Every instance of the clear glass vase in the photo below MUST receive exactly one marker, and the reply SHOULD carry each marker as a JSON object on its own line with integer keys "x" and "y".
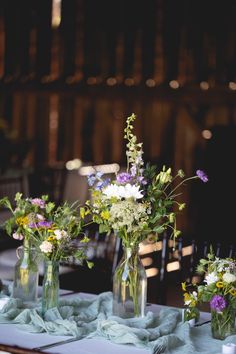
{"x": 51, "y": 286}
{"x": 223, "y": 323}
{"x": 130, "y": 286}
{"x": 25, "y": 284}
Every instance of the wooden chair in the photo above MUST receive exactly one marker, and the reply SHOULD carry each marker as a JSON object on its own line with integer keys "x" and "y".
{"x": 50, "y": 180}
{"x": 10, "y": 185}
{"x": 171, "y": 266}
{"x": 103, "y": 250}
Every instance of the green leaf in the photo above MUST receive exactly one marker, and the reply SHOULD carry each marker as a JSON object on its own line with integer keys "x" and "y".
{"x": 49, "y": 207}
{"x": 159, "y": 229}
{"x": 18, "y": 196}
{"x": 5, "y": 202}
{"x": 156, "y": 218}
{"x": 103, "y": 228}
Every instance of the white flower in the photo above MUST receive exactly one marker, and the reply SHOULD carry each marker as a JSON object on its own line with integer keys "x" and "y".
{"x": 127, "y": 191}
{"x": 229, "y": 277}
{"x": 113, "y": 191}
{"x": 187, "y": 302}
{"x": 128, "y": 214}
{"x": 17, "y": 236}
{"x": 46, "y": 247}
{"x": 211, "y": 278}
{"x": 60, "y": 234}
{"x": 131, "y": 191}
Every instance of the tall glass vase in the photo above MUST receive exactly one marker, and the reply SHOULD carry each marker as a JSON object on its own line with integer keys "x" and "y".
{"x": 130, "y": 286}
{"x": 223, "y": 323}
{"x": 50, "y": 294}
{"x": 25, "y": 284}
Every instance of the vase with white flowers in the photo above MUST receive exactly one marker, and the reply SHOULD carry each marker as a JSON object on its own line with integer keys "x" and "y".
{"x": 137, "y": 203}
{"x": 60, "y": 238}
{"x": 219, "y": 290}
{"x": 25, "y": 212}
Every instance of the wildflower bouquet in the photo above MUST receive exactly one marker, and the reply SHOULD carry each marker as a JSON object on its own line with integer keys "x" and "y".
{"x": 58, "y": 235}
{"x": 57, "y": 241}
{"x": 26, "y": 213}
{"x": 219, "y": 289}
{"x": 39, "y": 223}
{"x": 49, "y": 231}
{"x": 139, "y": 201}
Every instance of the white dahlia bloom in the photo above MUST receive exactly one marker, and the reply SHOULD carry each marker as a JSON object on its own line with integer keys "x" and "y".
{"x": 211, "y": 278}
{"x": 229, "y": 278}
{"x": 127, "y": 191}
{"x": 113, "y": 191}
{"x": 131, "y": 191}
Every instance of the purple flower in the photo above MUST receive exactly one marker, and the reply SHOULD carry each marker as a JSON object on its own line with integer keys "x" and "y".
{"x": 39, "y": 202}
{"x": 33, "y": 225}
{"x": 142, "y": 180}
{"x": 99, "y": 174}
{"x": 218, "y": 303}
{"x": 102, "y": 184}
{"x": 201, "y": 174}
{"x": 123, "y": 177}
{"x": 91, "y": 180}
{"x": 45, "y": 224}
{"x": 133, "y": 170}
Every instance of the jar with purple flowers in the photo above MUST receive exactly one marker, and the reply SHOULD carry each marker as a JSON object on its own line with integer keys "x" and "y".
{"x": 222, "y": 317}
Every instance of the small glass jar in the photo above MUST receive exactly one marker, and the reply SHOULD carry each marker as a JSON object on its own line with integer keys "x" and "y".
{"x": 51, "y": 286}
{"x": 25, "y": 284}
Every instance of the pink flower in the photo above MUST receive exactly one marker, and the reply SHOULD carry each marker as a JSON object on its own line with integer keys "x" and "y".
{"x": 17, "y": 236}
{"x": 40, "y": 217}
{"x": 39, "y": 202}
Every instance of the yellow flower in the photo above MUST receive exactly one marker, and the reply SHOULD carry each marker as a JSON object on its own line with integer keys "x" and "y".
{"x": 183, "y": 286}
{"x": 50, "y": 230}
{"x": 187, "y": 297}
{"x": 105, "y": 214}
{"x": 219, "y": 284}
{"x": 232, "y": 292}
{"x": 22, "y": 220}
{"x": 51, "y": 239}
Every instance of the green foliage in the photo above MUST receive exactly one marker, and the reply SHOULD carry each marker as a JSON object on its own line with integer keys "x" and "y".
{"x": 143, "y": 200}
{"x": 56, "y": 231}
{"x": 219, "y": 279}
